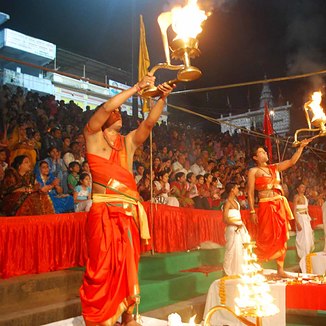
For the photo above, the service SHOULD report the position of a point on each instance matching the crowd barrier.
(38, 244)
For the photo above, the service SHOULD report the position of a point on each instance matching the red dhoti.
(110, 283)
(273, 227)
(115, 224)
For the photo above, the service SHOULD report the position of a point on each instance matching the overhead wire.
(257, 134)
(249, 83)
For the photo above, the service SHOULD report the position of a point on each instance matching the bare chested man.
(273, 214)
(116, 219)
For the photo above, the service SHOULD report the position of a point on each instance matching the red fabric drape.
(307, 296)
(179, 229)
(37, 244)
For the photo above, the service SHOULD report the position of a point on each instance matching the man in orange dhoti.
(274, 213)
(117, 218)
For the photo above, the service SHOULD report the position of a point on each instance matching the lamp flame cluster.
(315, 117)
(254, 298)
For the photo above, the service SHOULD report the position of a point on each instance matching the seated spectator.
(3, 159)
(51, 139)
(166, 165)
(139, 172)
(73, 176)
(178, 166)
(162, 190)
(199, 202)
(179, 190)
(206, 188)
(36, 139)
(83, 194)
(19, 144)
(74, 154)
(156, 165)
(50, 186)
(203, 193)
(85, 168)
(215, 193)
(144, 186)
(66, 145)
(57, 167)
(197, 167)
(21, 195)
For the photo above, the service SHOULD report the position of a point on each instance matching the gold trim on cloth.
(126, 202)
(309, 262)
(112, 321)
(122, 189)
(285, 201)
(221, 286)
(235, 220)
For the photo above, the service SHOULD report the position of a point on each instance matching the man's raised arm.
(143, 131)
(98, 119)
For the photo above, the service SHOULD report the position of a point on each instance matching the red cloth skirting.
(180, 229)
(37, 244)
(306, 296)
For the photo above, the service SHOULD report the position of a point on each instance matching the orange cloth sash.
(272, 182)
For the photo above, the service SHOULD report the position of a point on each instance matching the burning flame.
(316, 108)
(187, 20)
(192, 321)
(254, 292)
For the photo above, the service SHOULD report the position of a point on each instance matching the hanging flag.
(268, 131)
(144, 61)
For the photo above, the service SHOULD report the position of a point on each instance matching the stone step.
(20, 290)
(42, 314)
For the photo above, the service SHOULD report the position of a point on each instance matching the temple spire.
(266, 96)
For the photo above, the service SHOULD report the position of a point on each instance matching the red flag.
(268, 130)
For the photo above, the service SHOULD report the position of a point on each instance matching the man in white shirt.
(178, 166)
(197, 168)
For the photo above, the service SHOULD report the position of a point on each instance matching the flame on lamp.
(192, 321)
(316, 107)
(254, 298)
(187, 20)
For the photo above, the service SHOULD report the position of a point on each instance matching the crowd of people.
(42, 158)
(45, 169)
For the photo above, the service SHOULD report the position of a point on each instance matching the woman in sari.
(179, 190)
(21, 195)
(51, 186)
(19, 144)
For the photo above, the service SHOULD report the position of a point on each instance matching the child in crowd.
(73, 177)
(83, 193)
(85, 169)
(235, 233)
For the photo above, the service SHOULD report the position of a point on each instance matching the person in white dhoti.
(235, 232)
(305, 236)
